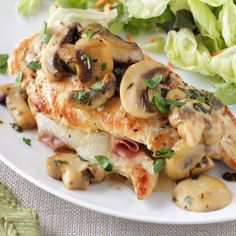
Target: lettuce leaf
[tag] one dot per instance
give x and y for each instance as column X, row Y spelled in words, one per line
column 226, row 92
column 188, row 52
column 227, row 21
column 81, row 4
column 85, row 17
column 214, row 3
column 176, row 5
column 206, row 22
column 224, row 64
column 145, row 9
column 24, row 7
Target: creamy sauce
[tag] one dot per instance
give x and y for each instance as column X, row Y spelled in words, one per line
column 164, row 184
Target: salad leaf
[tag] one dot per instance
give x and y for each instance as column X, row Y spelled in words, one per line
column 82, row 4
column 226, row 92
column 224, row 64
column 176, row 5
column 85, row 17
column 188, row 52
column 206, row 22
column 145, row 9
column 24, row 7
column 227, row 21
column 214, row 3
column 156, row 46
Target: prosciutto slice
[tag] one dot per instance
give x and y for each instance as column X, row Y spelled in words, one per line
column 124, row 147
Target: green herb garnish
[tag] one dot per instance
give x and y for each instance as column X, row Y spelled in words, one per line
column 81, row 96
column 85, row 58
column 175, row 103
column 103, row 161
column 195, row 176
column 153, row 82
column 160, row 104
column 45, row 37
column 188, row 200
column 19, row 76
column 98, row 87
column 27, row 141
column 200, row 107
column 104, row 66
column 196, row 94
column 164, row 153
column 3, row 63
column 158, row 165
column 16, row 127
column 90, row 33
column 34, row 65
column 118, row 71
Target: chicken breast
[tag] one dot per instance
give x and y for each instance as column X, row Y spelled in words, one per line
column 79, row 88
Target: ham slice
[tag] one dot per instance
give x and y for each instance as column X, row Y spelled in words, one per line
column 124, row 147
column 51, row 140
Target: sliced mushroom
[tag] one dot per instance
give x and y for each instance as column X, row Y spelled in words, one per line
column 16, row 103
column 123, row 51
column 95, row 96
column 75, row 173
column 201, row 195
column 58, row 55
column 94, row 59
column 184, row 159
column 133, row 92
column 204, row 165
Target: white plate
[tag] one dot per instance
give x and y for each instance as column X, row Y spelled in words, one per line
column 110, row 198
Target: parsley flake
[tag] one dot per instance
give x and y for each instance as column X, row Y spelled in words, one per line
column 188, row 200
column 160, row 104
column 153, row 82
column 19, row 76
column 45, row 37
column 34, row 65
column 16, row 127
column 103, row 161
column 98, row 87
column 90, row 33
column 3, row 63
column 27, row 141
column 164, row 153
column 158, row 165
column 85, row 58
column 81, row 96
column 104, row 66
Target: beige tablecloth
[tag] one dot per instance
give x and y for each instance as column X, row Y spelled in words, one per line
column 60, row 218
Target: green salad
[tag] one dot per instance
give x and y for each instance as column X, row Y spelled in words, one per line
column 200, row 34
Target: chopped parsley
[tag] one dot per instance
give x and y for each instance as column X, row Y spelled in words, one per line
column 27, row 141
column 118, row 71
column 153, row 82
column 90, row 33
column 103, row 161
column 175, row 103
column 196, row 94
column 200, row 107
column 158, row 165
column 34, row 65
column 58, row 162
column 81, row 96
column 19, row 76
column 195, row 177
column 188, row 200
column 198, row 165
column 164, row 153
column 3, row 63
column 98, row 87
column 45, row 37
column 85, row 58
column 163, row 105
column 16, row 127
column 104, row 66
column 160, row 103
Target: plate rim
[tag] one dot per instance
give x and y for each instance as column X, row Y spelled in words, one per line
column 110, row 212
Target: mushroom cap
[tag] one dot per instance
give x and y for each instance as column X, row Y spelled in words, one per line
column 134, row 93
